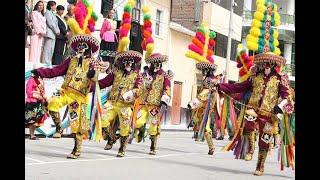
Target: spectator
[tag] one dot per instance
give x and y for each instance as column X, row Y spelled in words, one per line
column 61, row 39
column 69, row 52
column 52, row 32
column 39, row 25
column 109, row 41
column 36, row 104
column 70, row 13
column 27, row 21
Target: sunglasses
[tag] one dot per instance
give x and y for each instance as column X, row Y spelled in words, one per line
column 128, row 60
column 83, row 45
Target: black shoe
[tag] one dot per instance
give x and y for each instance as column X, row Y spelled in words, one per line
column 230, row 138
column 220, row 138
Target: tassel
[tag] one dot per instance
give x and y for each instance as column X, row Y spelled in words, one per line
column 134, row 118
column 205, row 118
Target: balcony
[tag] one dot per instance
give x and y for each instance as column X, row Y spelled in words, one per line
column 285, row 19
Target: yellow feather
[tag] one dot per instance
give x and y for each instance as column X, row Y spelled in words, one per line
column 255, row 31
column 261, row 8
column 275, row 42
column 252, row 46
column 275, row 33
column 74, row 26
column 277, row 51
column 132, row 3
column 259, row 2
column 258, row 15
column 145, row 9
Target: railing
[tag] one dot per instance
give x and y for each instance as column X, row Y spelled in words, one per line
column 285, row 19
column 290, row 69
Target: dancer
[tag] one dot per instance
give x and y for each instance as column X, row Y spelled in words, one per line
column 207, row 99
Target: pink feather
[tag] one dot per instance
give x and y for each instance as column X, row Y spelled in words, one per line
column 149, row 29
column 200, row 38
column 209, row 58
column 123, row 32
column 126, row 20
column 246, row 59
column 149, row 40
column 195, row 49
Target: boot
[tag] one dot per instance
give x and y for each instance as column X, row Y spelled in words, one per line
column 104, row 134
column 111, row 138
column 77, row 146
column 124, row 140
column 141, row 134
column 249, row 135
column 56, row 119
column 262, row 155
column 195, row 135
column 208, row 137
column 153, row 146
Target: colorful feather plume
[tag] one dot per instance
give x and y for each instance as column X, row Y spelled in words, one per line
column 148, row 43
column 263, row 37
column 244, row 63
column 125, row 26
column 202, row 45
column 84, row 18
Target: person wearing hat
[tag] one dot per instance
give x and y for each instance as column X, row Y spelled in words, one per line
column 79, row 75
column 126, row 87
column 199, row 104
column 125, row 79
column 266, row 85
column 201, row 51
column 156, row 91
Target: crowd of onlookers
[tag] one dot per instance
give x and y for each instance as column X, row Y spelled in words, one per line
column 46, row 25
column 49, row 33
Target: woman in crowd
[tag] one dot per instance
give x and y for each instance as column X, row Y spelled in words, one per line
column 39, row 25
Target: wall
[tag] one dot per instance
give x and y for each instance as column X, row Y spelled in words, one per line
column 218, row 19
column 183, row 67
column 184, row 13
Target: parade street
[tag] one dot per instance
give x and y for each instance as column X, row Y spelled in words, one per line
column 178, row 157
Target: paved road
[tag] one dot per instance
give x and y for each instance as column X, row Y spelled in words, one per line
column 178, row 157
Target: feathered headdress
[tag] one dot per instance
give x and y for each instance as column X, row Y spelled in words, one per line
column 125, row 26
column 148, row 43
column 84, row 20
column 263, row 37
column 202, row 44
column 244, row 63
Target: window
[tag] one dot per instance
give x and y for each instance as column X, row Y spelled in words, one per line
column 222, row 44
column 158, row 20
column 106, row 5
column 136, row 11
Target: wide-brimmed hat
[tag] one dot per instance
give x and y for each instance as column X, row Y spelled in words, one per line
column 203, row 65
column 269, row 57
column 91, row 41
column 157, row 58
column 137, row 56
